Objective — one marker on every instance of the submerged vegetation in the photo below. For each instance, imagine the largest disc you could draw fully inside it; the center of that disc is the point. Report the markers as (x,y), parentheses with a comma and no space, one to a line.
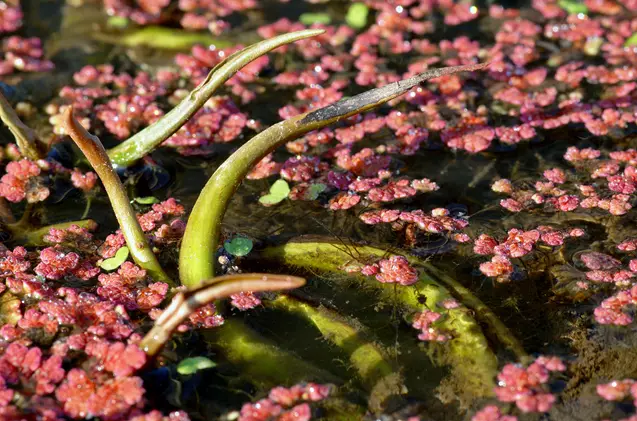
(209,211)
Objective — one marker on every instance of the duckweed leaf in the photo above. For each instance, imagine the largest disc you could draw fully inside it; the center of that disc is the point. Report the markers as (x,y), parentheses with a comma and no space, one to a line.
(631,41)
(238,246)
(357,15)
(116,261)
(310,18)
(148,200)
(279,191)
(315,190)
(118,22)
(573,7)
(194,364)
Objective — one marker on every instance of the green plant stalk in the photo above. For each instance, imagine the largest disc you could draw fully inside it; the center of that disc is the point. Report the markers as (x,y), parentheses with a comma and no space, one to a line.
(144,142)
(133,234)
(379,377)
(27,235)
(196,258)
(25,136)
(159,37)
(260,360)
(467,352)
(185,303)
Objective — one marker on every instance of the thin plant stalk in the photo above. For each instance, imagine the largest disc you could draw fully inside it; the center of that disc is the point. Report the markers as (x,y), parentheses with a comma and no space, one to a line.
(187,302)
(160,38)
(134,148)
(196,258)
(133,234)
(25,136)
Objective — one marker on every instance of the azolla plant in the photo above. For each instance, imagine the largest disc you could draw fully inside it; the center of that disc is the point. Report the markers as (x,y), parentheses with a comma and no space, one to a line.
(455,213)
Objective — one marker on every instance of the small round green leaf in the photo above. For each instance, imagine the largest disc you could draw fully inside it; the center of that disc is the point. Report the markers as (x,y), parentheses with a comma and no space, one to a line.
(194,364)
(357,15)
(315,190)
(238,246)
(148,200)
(310,18)
(278,192)
(119,22)
(573,7)
(116,261)
(631,41)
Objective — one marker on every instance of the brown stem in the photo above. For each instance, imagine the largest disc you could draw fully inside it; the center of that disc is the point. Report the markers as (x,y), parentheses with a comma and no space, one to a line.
(133,234)
(185,303)
(25,136)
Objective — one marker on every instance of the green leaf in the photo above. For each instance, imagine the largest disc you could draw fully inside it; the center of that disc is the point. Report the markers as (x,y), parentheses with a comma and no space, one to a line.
(119,22)
(116,261)
(148,200)
(314,191)
(573,7)
(357,15)
(310,18)
(631,41)
(194,364)
(278,192)
(238,246)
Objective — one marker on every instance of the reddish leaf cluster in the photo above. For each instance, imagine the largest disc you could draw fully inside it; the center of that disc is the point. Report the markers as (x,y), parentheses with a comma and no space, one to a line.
(524,386)
(22,181)
(517,244)
(284,404)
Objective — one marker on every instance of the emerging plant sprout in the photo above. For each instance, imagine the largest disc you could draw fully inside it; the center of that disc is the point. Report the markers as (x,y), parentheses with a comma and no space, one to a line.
(135,237)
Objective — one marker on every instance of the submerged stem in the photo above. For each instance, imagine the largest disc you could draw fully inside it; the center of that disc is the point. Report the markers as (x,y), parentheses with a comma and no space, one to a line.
(25,136)
(27,235)
(379,377)
(330,256)
(261,361)
(185,303)
(133,234)
(467,352)
(134,148)
(202,231)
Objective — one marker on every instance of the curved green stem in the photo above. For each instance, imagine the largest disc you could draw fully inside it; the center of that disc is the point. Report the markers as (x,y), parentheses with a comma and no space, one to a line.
(134,148)
(196,258)
(159,37)
(29,236)
(25,136)
(133,233)
(379,377)
(185,303)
